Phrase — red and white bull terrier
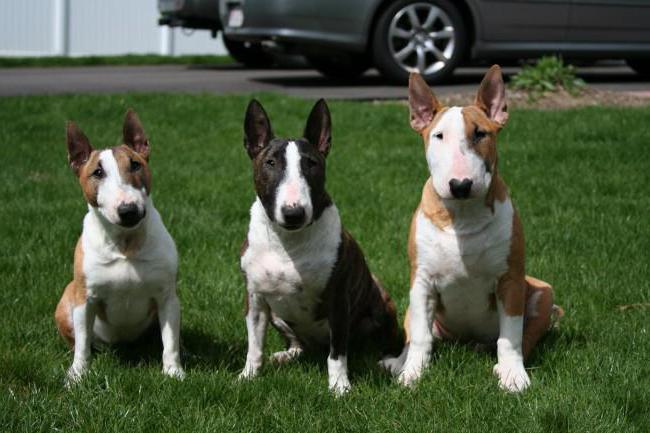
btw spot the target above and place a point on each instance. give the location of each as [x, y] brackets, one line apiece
[304, 272]
[466, 244]
[125, 262]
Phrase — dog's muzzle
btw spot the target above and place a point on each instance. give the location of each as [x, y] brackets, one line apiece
[293, 216]
[460, 188]
[129, 214]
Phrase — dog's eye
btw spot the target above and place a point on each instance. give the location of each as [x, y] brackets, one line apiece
[135, 165]
[98, 173]
[269, 163]
[438, 135]
[479, 135]
[311, 163]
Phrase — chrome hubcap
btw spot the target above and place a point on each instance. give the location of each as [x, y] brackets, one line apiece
[421, 38]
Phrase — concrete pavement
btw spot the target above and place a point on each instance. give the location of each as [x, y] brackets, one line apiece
[236, 80]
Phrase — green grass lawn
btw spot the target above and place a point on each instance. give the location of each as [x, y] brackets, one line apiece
[124, 60]
[579, 178]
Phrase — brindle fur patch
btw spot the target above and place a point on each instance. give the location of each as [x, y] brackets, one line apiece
[269, 166]
[357, 302]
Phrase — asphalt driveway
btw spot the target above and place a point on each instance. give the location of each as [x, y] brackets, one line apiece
[236, 80]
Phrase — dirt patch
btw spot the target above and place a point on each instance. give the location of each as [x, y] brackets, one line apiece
[562, 99]
[559, 100]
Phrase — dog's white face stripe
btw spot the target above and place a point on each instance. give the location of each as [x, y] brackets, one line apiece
[451, 157]
[293, 189]
[113, 191]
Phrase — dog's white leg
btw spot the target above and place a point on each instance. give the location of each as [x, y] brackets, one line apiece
[421, 307]
[169, 316]
[83, 318]
[337, 361]
[510, 361]
[294, 348]
[337, 372]
[257, 320]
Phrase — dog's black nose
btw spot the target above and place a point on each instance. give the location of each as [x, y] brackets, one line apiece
[293, 216]
[129, 214]
[460, 188]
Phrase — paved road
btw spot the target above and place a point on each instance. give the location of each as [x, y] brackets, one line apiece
[232, 80]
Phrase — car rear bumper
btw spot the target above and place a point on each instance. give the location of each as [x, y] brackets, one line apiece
[192, 14]
[284, 22]
[190, 23]
[295, 36]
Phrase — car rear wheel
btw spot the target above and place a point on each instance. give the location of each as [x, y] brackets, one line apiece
[424, 36]
[249, 54]
[640, 66]
[340, 66]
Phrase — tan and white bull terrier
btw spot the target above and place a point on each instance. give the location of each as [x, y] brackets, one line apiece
[304, 272]
[466, 244]
[125, 262]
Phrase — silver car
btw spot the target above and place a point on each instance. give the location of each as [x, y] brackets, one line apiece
[343, 38]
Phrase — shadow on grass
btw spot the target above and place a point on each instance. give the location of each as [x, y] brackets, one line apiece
[199, 350]
[556, 340]
[206, 352]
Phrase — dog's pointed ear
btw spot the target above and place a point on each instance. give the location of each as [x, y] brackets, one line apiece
[79, 148]
[423, 104]
[318, 130]
[133, 134]
[257, 129]
[491, 96]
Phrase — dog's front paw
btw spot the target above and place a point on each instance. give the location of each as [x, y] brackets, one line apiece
[175, 371]
[75, 373]
[413, 368]
[393, 365]
[512, 376]
[409, 376]
[250, 371]
[339, 386]
[286, 355]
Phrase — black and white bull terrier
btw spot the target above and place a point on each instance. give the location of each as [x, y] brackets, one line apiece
[304, 272]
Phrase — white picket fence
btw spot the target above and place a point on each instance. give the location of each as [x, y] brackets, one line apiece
[94, 27]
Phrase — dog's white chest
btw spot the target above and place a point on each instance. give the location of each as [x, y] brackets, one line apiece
[115, 274]
[464, 268]
[291, 270]
[127, 287]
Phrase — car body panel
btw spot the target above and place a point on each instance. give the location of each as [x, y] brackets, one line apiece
[501, 28]
[610, 21]
[532, 20]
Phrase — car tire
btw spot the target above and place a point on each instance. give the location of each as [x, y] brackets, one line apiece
[640, 66]
[340, 66]
[249, 54]
[425, 36]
